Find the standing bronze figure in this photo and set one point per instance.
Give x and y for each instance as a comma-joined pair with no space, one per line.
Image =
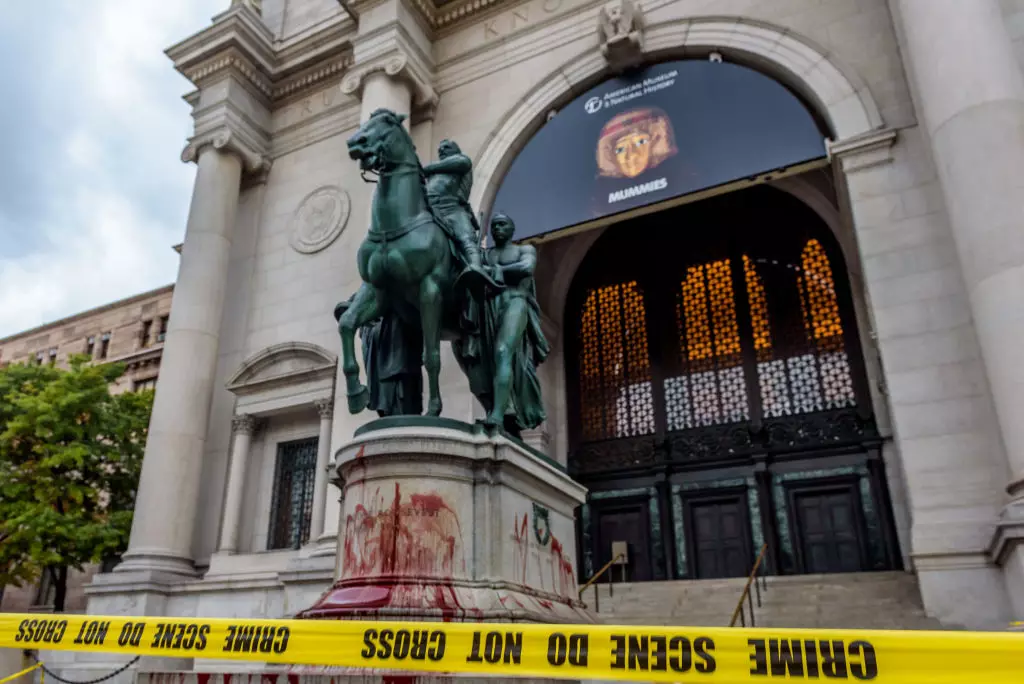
512,331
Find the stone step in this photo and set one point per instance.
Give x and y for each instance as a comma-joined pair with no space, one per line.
884,600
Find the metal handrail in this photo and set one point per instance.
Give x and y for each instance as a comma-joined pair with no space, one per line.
597,575
745,596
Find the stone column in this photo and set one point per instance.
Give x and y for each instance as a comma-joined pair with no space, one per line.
381,90
325,407
243,426
970,95
161,538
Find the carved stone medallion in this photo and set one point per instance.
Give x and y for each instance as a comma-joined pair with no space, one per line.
319,219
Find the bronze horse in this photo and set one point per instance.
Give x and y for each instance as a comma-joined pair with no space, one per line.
406,261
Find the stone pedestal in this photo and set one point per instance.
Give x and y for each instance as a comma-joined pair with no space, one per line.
442,521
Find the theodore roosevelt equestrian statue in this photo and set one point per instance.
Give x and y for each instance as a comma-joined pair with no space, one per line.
423,278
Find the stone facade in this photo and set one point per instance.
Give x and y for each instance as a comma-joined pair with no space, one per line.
924,101
134,329
129,331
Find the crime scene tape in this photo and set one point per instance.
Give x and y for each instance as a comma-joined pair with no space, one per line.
661,654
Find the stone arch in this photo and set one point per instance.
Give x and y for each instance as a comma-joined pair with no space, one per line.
286,363
835,92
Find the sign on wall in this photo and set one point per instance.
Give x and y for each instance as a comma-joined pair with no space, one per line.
662,133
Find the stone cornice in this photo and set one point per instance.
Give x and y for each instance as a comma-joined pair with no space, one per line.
863,151
239,31
239,44
434,17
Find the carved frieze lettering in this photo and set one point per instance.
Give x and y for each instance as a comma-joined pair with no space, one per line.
520,17
307,108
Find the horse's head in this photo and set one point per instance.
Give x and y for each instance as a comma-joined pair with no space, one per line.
381,143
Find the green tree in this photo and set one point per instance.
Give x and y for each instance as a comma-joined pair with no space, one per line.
70,457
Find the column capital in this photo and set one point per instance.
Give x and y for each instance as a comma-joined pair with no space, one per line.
863,151
244,423
324,407
254,161
399,66
233,64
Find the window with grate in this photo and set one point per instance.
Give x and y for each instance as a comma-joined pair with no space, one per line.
616,397
292,506
802,362
737,325
711,388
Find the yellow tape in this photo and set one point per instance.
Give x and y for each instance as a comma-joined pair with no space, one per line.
23,672
662,654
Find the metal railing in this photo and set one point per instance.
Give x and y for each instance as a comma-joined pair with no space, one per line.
759,582
611,581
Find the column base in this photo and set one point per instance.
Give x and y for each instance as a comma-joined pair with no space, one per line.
1007,551
325,545
156,560
962,590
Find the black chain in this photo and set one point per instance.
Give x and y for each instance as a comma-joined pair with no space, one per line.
50,673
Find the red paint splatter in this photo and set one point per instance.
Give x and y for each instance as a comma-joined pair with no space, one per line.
399,679
202,678
565,582
447,601
504,599
362,597
420,538
293,679
401,553
272,678
546,604
522,545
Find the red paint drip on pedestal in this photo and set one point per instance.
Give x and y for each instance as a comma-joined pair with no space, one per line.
398,554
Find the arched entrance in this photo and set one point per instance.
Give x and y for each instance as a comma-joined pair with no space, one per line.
718,399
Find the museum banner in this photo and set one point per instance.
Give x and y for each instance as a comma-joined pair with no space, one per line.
717,655
669,132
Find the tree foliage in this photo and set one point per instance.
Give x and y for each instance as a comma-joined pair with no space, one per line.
70,457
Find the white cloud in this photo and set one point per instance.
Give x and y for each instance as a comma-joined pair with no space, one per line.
109,255
94,218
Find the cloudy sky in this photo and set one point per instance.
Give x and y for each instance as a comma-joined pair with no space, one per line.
92,191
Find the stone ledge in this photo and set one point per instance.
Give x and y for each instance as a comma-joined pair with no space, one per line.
1008,534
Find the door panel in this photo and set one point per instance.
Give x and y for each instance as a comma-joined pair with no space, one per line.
629,525
829,530
721,543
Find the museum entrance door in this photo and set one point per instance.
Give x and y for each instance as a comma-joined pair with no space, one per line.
718,397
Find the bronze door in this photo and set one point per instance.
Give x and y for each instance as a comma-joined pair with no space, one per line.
720,538
829,529
631,526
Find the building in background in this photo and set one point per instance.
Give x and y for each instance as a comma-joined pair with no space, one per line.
129,331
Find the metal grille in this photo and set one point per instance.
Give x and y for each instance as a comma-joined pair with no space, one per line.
616,398
292,508
713,342
806,368
711,389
